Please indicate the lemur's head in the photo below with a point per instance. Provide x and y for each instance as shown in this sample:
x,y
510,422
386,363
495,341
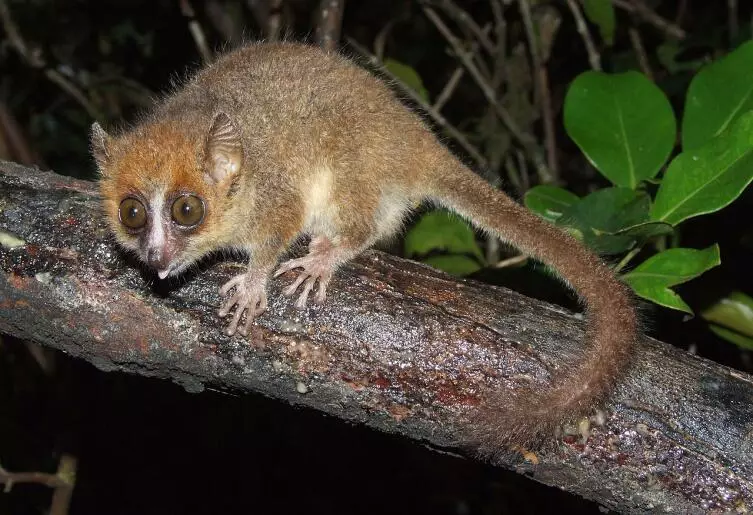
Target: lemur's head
x,y
163,187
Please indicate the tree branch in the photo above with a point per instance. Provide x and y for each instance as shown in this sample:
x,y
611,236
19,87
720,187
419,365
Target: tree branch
x,y
398,346
33,58
62,483
541,88
197,32
268,15
643,11
526,140
328,24
431,111
594,59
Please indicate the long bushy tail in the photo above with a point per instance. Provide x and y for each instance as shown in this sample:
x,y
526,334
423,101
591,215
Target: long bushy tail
x,y
520,416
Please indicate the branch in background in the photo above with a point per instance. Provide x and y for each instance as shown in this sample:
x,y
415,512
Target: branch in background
x,y
268,15
328,24
35,60
495,72
500,50
640,52
480,36
732,23
197,33
274,20
541,88
449,88
682,9
594,59
464,19
640,9
62,482
398,346
12,138
498,160
511,261
230,26
524,138
434,114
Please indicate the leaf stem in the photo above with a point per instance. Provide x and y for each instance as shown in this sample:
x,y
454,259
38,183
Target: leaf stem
x,y
628,257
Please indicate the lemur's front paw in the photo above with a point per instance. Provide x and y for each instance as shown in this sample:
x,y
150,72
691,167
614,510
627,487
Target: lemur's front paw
x,y
249,297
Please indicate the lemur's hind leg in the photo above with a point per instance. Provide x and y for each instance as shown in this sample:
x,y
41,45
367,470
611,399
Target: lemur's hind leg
x,y
318,266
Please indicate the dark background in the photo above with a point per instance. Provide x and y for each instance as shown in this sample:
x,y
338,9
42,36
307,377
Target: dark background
x,y
146,446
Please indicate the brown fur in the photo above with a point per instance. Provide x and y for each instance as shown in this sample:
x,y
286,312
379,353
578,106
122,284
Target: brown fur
x,y
328,150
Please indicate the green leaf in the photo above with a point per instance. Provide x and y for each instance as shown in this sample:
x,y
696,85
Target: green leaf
x,y
717,96
708,178
442,231
653,278
407,76
742,341
667,54
549,202
600,216
645,231
454,264
732,318
623,123
601,13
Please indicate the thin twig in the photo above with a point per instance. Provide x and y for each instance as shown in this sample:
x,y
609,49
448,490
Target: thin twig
x,y
525,182
732,21
640,52
380,41
17,144
500,50
533,41
61,497
329,23
478,57
435,115
274,20
35,60
639,8
547,113
197,33
514,175
62,482
682,8
224,21
498,75
463,18
449,88
499,19
524,138
268,15
626,259
41,478
512,261
479,34
594,59
541,86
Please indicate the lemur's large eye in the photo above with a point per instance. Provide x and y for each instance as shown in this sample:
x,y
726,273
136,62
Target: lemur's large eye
x,y
132,213
188,210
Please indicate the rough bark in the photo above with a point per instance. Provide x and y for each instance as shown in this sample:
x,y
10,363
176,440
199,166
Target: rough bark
x,y
398,346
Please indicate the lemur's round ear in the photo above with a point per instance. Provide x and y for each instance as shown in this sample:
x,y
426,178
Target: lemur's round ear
x,y
99,142
224,150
